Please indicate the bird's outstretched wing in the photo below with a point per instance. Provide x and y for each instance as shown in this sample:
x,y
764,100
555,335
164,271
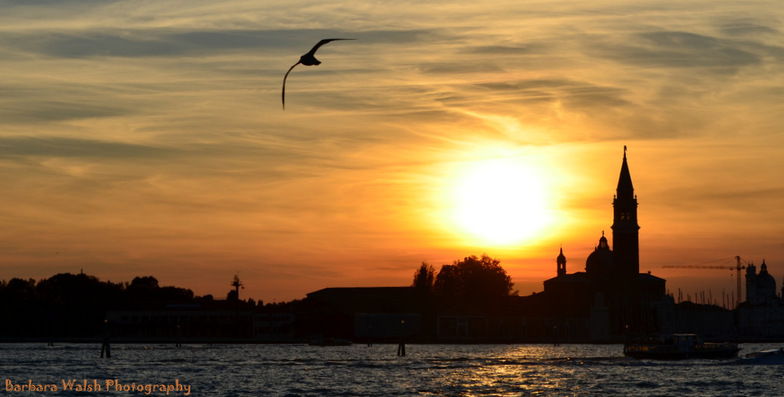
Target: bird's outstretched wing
x,y
321,43
283,93
310,55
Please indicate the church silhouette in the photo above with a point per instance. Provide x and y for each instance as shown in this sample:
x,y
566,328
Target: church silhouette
x,y
611,297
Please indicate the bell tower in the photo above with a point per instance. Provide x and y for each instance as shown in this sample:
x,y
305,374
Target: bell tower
x,y
626,231
561,263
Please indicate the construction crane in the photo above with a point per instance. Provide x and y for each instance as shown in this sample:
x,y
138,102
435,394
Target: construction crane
x,y
738,267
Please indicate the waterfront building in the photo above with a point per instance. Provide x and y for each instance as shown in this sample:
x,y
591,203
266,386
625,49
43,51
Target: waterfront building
x,y
611,296
761,316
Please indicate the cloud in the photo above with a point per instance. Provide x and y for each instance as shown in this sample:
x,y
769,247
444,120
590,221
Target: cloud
x,y
578,96
140,43
49,110
104,42
71,147
500,50
753,28
672,49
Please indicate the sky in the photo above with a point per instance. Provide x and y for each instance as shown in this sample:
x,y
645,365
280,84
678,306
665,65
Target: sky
x,y
148,138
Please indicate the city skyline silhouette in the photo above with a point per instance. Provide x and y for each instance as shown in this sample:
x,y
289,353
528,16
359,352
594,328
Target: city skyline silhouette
x,y
471,300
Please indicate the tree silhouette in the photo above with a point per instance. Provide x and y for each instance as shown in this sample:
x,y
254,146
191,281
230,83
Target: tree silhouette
x,y
480,281
148,283
424,278
237,284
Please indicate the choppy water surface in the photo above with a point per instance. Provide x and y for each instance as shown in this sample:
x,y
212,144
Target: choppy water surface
x,y
358,370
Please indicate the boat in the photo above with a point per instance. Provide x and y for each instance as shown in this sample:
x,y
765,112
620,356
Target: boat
x,y
769,356
679,347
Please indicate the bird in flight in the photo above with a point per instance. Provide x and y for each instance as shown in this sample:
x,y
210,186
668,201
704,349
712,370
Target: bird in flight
x,y
308,59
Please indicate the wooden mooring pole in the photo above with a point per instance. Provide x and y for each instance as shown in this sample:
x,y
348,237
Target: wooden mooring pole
x,y
105,347
401,348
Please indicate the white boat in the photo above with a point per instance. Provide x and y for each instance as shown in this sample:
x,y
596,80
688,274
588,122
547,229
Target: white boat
x,y
769,356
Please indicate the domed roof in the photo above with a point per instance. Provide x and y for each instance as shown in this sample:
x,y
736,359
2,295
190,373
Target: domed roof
x,y
764,279
601,259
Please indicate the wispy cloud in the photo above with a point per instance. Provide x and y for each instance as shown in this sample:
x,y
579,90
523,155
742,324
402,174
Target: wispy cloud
x,y
668,49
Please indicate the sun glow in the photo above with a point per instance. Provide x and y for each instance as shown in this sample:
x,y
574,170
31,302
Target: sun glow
x,y
500,202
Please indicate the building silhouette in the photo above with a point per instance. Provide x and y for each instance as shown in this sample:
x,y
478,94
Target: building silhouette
x,y
611,297
761,316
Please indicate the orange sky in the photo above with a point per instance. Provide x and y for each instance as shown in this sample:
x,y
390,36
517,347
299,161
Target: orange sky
x,y
149,139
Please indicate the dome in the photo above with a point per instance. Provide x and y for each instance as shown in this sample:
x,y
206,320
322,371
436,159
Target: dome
x,y
601,259
765,282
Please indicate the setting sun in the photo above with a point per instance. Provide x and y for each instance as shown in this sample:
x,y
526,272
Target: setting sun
x,y
500,202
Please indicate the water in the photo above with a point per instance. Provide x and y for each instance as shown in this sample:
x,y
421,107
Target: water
x,y
358,370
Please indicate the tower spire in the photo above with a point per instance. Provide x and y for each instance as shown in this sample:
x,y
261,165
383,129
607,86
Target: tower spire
x,y
625,189
561,263
626,251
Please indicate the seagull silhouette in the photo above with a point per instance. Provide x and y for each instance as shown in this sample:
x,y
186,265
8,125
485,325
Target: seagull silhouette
x,y
308,59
